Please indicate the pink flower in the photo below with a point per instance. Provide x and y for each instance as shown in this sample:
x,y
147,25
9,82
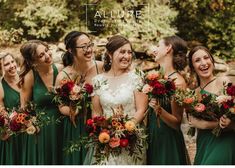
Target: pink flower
x,y
152,75
200,107
147,88
114,142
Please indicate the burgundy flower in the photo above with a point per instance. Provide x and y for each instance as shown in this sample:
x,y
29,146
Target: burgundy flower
x,y
159,89
14,126
170,86
2,121
231,90
66,88
89,88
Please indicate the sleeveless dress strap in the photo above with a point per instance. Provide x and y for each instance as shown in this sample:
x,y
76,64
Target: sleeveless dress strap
x,y
55,73
96,66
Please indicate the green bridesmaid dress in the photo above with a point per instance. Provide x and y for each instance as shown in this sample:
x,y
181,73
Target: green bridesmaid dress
x,y
11,150
71,133
166,145
46,147
212,150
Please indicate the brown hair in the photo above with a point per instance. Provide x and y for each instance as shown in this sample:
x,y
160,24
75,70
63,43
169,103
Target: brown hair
x,y
28,51
180,49
114,43
190,56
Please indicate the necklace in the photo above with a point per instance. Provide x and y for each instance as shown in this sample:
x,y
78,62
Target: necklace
x,y
207,84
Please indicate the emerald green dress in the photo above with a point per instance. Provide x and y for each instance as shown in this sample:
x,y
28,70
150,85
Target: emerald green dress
x,y
166,145
71,133
46,147
11,150
212,150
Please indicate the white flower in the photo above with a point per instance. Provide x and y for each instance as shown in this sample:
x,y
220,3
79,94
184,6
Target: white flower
x,y
223,98
76,89
31,130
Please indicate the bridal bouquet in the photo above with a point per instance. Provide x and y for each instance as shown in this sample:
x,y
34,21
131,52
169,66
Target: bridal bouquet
x,y
226,103
27,120
72,94
202,107
111,135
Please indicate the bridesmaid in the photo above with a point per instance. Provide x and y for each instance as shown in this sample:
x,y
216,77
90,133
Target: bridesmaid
x,y
11,147
79,63
36,79
166,143
211,150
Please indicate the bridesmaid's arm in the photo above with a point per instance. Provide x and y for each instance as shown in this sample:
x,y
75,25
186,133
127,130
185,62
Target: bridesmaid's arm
x,y
96,106
1,95
172,120
202,124
141,102
26,89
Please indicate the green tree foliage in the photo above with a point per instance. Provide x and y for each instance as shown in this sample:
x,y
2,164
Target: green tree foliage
x,y
210,22
43,18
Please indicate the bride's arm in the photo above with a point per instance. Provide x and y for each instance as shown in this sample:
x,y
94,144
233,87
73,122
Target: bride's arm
x,y
141,102
96,106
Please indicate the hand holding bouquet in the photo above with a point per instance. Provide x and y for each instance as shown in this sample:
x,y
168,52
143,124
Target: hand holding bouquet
x,y
226,103
112,135
71,94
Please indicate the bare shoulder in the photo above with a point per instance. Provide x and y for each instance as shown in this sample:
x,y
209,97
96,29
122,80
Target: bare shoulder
x,y
1,91
29,80
180,82
220,81
62,74
59,66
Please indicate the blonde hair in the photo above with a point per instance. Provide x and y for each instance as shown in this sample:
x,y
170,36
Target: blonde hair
x,y
2,56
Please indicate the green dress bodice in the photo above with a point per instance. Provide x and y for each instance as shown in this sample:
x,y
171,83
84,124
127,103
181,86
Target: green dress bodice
x,y
166,145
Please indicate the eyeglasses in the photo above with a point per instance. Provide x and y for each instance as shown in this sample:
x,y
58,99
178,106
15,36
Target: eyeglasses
x,y
85,47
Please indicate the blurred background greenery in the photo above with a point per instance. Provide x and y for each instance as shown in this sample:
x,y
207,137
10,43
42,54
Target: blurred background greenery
x,y
207,22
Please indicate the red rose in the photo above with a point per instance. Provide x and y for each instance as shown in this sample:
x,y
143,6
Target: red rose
x,y
2,121
14,126
89,88
90,122
159,89
66,88
231,90
124,142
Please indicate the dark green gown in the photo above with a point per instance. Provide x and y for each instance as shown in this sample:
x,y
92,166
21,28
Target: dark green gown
x,y
46,147
11,150
166,145
70,133
212,150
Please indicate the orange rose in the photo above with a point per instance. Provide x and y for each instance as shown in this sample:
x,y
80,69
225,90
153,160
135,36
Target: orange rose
x,y
130,126
152,75
104,137
114,142
200,107
188,100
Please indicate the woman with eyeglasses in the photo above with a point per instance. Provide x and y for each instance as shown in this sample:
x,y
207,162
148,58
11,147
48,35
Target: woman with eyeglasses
x,y
80,66
37,77
10,147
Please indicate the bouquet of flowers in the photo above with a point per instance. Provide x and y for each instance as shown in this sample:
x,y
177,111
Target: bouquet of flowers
x,y
158,86
26,120
202,107
111,135
4,124
226,103
73,95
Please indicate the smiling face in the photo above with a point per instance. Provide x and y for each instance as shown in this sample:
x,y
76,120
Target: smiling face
x,y
161,50
122,57
84,48
9,66
202,63
43,55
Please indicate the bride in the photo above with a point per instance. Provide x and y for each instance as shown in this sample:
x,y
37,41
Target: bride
x,y
118,85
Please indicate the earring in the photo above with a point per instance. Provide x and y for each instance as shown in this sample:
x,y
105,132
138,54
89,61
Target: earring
x,y
110,62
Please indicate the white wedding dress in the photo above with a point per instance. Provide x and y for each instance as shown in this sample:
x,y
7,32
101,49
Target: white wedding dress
x,y
114,91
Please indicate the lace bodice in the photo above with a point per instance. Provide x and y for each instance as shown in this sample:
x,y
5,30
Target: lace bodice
x,y
118,90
